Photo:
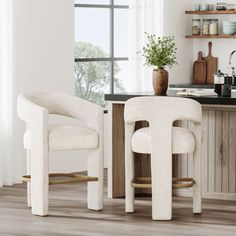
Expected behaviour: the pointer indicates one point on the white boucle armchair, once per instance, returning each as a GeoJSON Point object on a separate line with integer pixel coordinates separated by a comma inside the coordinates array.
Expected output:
{"type": "Point", "coordinates": [41, 138]}
{"type": "Point", "coordinates": [161, 140]}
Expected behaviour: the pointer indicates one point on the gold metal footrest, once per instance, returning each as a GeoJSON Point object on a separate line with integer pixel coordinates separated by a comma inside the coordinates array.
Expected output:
{"type": "Point", "coordinates": [145, 182]}
{"type": "Point", "coordinates": [64, 178]}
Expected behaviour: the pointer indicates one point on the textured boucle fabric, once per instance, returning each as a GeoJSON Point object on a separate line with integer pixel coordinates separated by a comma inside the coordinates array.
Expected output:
{"type": "Point", "coordinates": [183, 141]}
{"type": "Point", "coordinates": [161, 140]}
{"type": "Point", "coordinates": [67, 137]}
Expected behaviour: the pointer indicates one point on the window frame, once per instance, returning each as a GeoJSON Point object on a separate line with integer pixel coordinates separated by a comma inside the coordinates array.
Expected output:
{"type": "Point", "coordinates": [112, 59]}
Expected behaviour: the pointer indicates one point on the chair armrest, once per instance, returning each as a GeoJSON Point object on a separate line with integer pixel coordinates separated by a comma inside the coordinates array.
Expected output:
{"type": "Point", "coordinates": [33, 114]}
{"type": "Point", "coordinates": [95, 117]}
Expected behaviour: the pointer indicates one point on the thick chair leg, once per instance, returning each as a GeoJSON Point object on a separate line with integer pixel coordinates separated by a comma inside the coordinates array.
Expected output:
{"type": "Point", "coordinates": [129, 175]}
{"type": "Point", "coordinates": [161, 171]}
{"type": "Point", "coordinates": [39, 183]}
{"type": "Point", "coordinates": [197, 171]}
{"type": "Point", "coordinates": [95, 189]}
{"type": "Point", "coordinates": [28, 183]}
{"type": "Point", "coordinates": [161, 191]}
{"type": "Point", "coordinates": [197, 190]}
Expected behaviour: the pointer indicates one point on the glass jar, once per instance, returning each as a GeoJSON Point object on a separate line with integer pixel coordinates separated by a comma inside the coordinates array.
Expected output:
{"type": "Point", "coordinates": [196, 27]}
{"type": "Point", "coordinates": [214, 27]}
{"type": "Point", "coordinates": [206, 27]}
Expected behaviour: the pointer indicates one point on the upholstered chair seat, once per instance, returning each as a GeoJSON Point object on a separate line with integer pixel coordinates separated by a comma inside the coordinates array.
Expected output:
{"type": "Point", "coordinates": [67, 137]}
{"type": "Point", "coordinates": [183, 141]}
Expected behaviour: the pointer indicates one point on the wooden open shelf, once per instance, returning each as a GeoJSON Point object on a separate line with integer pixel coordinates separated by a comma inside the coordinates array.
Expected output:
{"type": "Point", "coordinates": [210, 36]}
{"type": "Point", "coordinates": [227, 12]}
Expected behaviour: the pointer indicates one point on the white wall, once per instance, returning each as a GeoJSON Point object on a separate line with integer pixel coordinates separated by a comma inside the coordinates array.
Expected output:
{"type": "Point", "coordinates": [221, 47]}
{"type": "Point", "coordinates": [176, 23]}
{"type": "Point", "coordinates": [43, 53]}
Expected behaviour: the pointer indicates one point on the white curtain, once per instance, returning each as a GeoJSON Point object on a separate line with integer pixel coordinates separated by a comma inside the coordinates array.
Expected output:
{"type": "Point", "coordinates": [144, 16]}
{"type": "Point", "coordinates": [7, 165]}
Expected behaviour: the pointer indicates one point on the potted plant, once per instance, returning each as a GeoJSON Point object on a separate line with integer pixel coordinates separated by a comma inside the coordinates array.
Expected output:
{"type": "Point", "coordinates": [160, 52]}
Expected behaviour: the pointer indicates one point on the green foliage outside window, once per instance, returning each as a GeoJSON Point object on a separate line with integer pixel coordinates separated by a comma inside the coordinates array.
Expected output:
{"type": "Point", "coordinates": [93, 78]}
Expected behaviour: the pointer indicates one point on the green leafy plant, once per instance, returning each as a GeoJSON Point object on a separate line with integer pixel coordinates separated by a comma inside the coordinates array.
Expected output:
{"type": "Point", "coordinates": [159, 51]}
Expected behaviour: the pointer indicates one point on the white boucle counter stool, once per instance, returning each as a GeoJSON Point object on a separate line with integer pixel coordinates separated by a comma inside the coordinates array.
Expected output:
{"type": "Point", "coordinates": [161, 140]}
{"type": "Point", "coordinates": [41, 138]}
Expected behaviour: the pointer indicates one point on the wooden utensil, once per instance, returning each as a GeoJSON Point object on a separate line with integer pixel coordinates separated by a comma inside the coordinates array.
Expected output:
{"type": "Point", "coordinates": [199, 70]}
{"type": "Point", "coordinates": [212, 65]}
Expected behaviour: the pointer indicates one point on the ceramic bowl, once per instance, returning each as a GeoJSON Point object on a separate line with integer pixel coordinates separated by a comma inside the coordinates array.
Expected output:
{"type": "Point", "coordinates": [229, 23]}
{"type": "Point", "coordinates": [231, 6]}
{"type": "Point", "coordinates": [229, 30]}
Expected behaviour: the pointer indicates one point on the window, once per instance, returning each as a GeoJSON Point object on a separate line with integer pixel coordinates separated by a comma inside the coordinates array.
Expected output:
{"type": "Point", "coordinates": [101, 48]}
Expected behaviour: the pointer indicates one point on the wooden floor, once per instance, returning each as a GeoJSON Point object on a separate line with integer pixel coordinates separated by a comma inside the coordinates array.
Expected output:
{"type": "Point", "coordinates": [69, 216]}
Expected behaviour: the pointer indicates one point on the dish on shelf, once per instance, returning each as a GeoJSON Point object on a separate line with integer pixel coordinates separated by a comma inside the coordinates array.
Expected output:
{"type": "Point", "coordinates": [221, 6]}
{"type": "Point", "coordinates": [229, 28]}
{"type": "Point", "coordinates": [229, 31]}
{"type": "Point", "coordinates": [229, 23]}
{"type": "Point", "coordinates": [230, 7]}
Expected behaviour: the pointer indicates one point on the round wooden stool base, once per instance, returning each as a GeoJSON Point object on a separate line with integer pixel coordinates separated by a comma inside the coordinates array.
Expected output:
{"type": "Point", "coordinates": [64, 178]}
{"type": "Point", "coordinates": [177, 183]}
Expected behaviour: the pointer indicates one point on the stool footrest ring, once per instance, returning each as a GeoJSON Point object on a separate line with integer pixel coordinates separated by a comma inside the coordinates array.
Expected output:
{"type": "Point", "coordinates": [177, 183]}
{"type": "Point", "coordinates": [64, 178]}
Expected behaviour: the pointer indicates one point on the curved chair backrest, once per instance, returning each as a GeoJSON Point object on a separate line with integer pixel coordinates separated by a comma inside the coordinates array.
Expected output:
{"type": "Point", "coordinates": [57, 103]}
{"type": "Point", "coordinates": [156, 108]}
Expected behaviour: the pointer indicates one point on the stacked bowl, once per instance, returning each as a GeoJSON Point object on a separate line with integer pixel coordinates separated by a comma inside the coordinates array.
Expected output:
{"type": "Point", "coordinates": [229, 28]}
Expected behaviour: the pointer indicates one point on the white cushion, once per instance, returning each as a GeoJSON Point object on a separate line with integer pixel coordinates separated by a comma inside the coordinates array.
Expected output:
{"type": "Point", "coordinates": [183, 141]}
{"type": "Point", "coordinates": [67, 137]}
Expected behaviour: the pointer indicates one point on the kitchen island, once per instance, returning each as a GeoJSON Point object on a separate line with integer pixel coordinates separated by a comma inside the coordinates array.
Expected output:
{"type": "Point", "coordinates": [218, 147]}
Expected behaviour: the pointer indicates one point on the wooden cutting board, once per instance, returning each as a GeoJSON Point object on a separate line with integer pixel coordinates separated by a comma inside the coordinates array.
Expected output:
{"type": "Point", "coordinates": [212, 65]}
{"type": "Point", "coordinates": [199, 70]}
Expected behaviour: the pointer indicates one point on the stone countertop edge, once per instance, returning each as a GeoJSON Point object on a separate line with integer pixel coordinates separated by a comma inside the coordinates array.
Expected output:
{"type": "Point", "coordinates": [197, 86]}
{"type": "Point", "coordinates": [208, 100]}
